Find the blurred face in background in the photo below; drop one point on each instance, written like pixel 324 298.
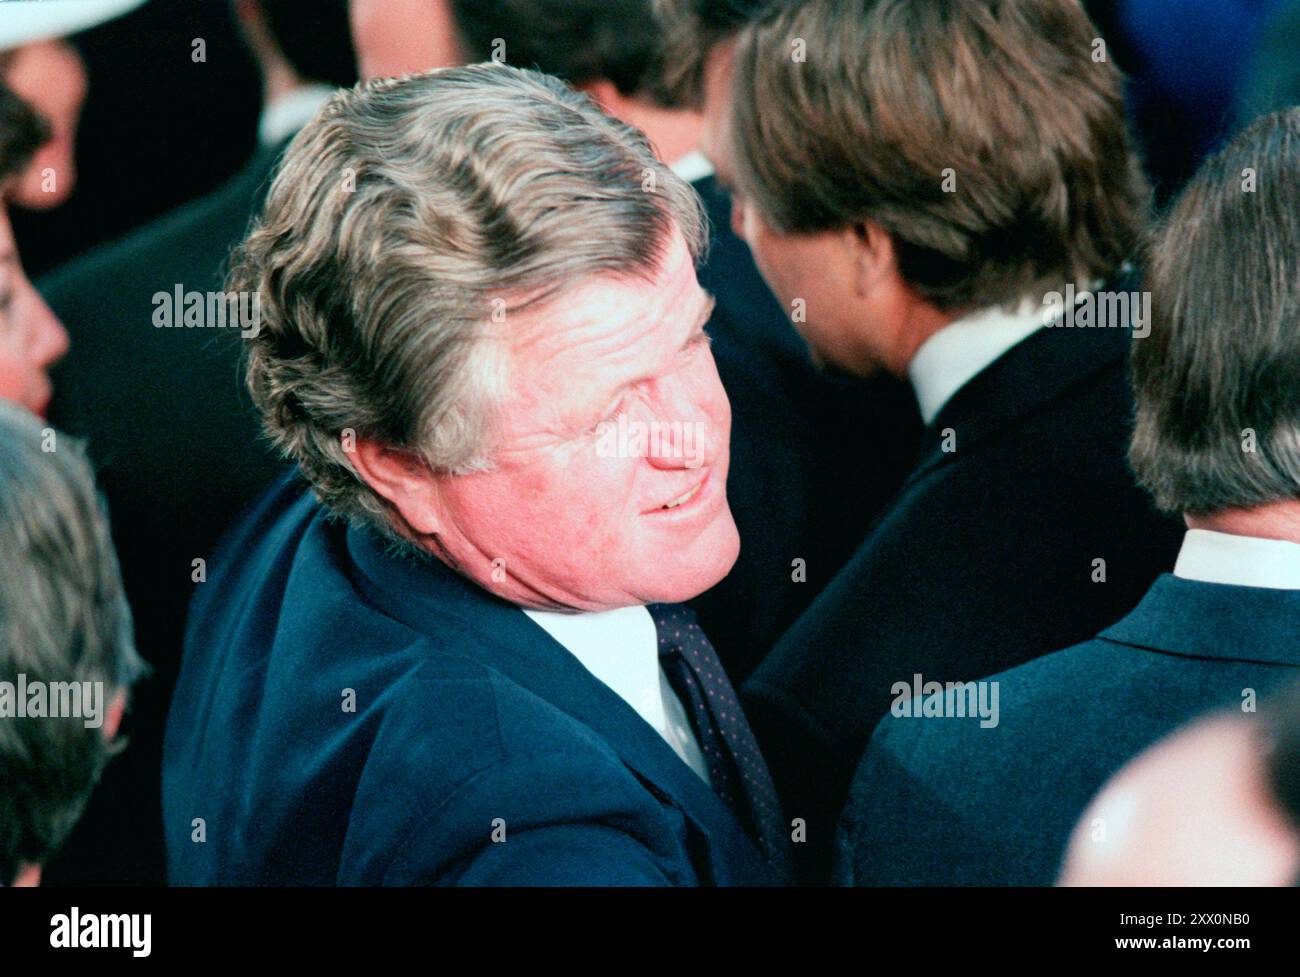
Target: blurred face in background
pixel 1193 810
pixel 815 269
pixel 31 338
pixel 402 37
pixel 51 77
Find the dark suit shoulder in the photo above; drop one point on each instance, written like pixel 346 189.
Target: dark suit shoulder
pixel 473 779
pixel 939 800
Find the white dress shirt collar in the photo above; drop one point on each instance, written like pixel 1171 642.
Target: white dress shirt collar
pixel 1245 561
pixel 290 112
pixel 693 166
pixel 964 348
pixel 620 647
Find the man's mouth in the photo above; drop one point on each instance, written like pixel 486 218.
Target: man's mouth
pixel 684 498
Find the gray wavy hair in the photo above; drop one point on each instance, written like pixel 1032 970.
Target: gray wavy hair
pixel 405 223
pixel 63 618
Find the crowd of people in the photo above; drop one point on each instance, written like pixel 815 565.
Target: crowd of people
pixel 668 442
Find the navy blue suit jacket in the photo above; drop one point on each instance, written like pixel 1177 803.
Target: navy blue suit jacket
pixel 984 560
pixel 942 801
pixel 469 719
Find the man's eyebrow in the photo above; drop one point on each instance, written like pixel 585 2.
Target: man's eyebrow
pixel 707 312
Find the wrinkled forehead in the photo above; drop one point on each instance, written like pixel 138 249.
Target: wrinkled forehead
pixel 616 308
pixel 603 336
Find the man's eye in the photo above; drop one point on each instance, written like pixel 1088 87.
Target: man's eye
pixel 611 418
pixel 697 342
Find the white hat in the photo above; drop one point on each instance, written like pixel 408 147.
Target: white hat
pixel 25 21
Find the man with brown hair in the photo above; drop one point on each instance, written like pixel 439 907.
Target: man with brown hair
pixel 941 800
pixel 949 193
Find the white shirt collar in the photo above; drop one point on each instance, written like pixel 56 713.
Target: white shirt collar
pixel 1245 561
pixel 958 352
pixel 964 348
pixel 693 166
pixel 290 112
pixel 621 648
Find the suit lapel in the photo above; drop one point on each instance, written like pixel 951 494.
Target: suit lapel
pixel 426 596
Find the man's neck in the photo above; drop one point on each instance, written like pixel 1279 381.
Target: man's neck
pixel 1278 520
pixel 673 133
pixel 918 320
pixel 278 80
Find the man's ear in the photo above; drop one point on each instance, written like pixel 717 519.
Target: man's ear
pixel 403 479
pixel 604 93
pixel 113 715
pixel 873 256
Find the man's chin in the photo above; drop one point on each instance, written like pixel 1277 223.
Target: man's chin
pixel 694 572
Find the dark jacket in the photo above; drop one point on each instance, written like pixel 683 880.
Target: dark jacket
pixel 985 559
pixel 943 801
pixel 178 452
pixel 479 750
pixel 814 454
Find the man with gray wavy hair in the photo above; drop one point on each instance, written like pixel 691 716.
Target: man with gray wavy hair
pixel 482 345
pixel 67 655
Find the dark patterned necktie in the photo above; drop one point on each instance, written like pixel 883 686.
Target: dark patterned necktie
pixel 736 767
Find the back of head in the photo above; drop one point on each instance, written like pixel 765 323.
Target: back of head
pixel 1218 378
pixel 63 620
pixel 407 222
pixel 579 41
pixel 987 137
pixel 690 29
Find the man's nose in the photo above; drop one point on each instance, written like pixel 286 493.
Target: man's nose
pixel 681 433
pixel 49 338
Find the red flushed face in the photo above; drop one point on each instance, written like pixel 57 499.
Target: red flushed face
pixel 31 338
pixel 609 485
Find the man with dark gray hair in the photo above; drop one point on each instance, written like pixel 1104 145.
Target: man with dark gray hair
pixel 67 657
pixel 483 344
pixel 944 801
